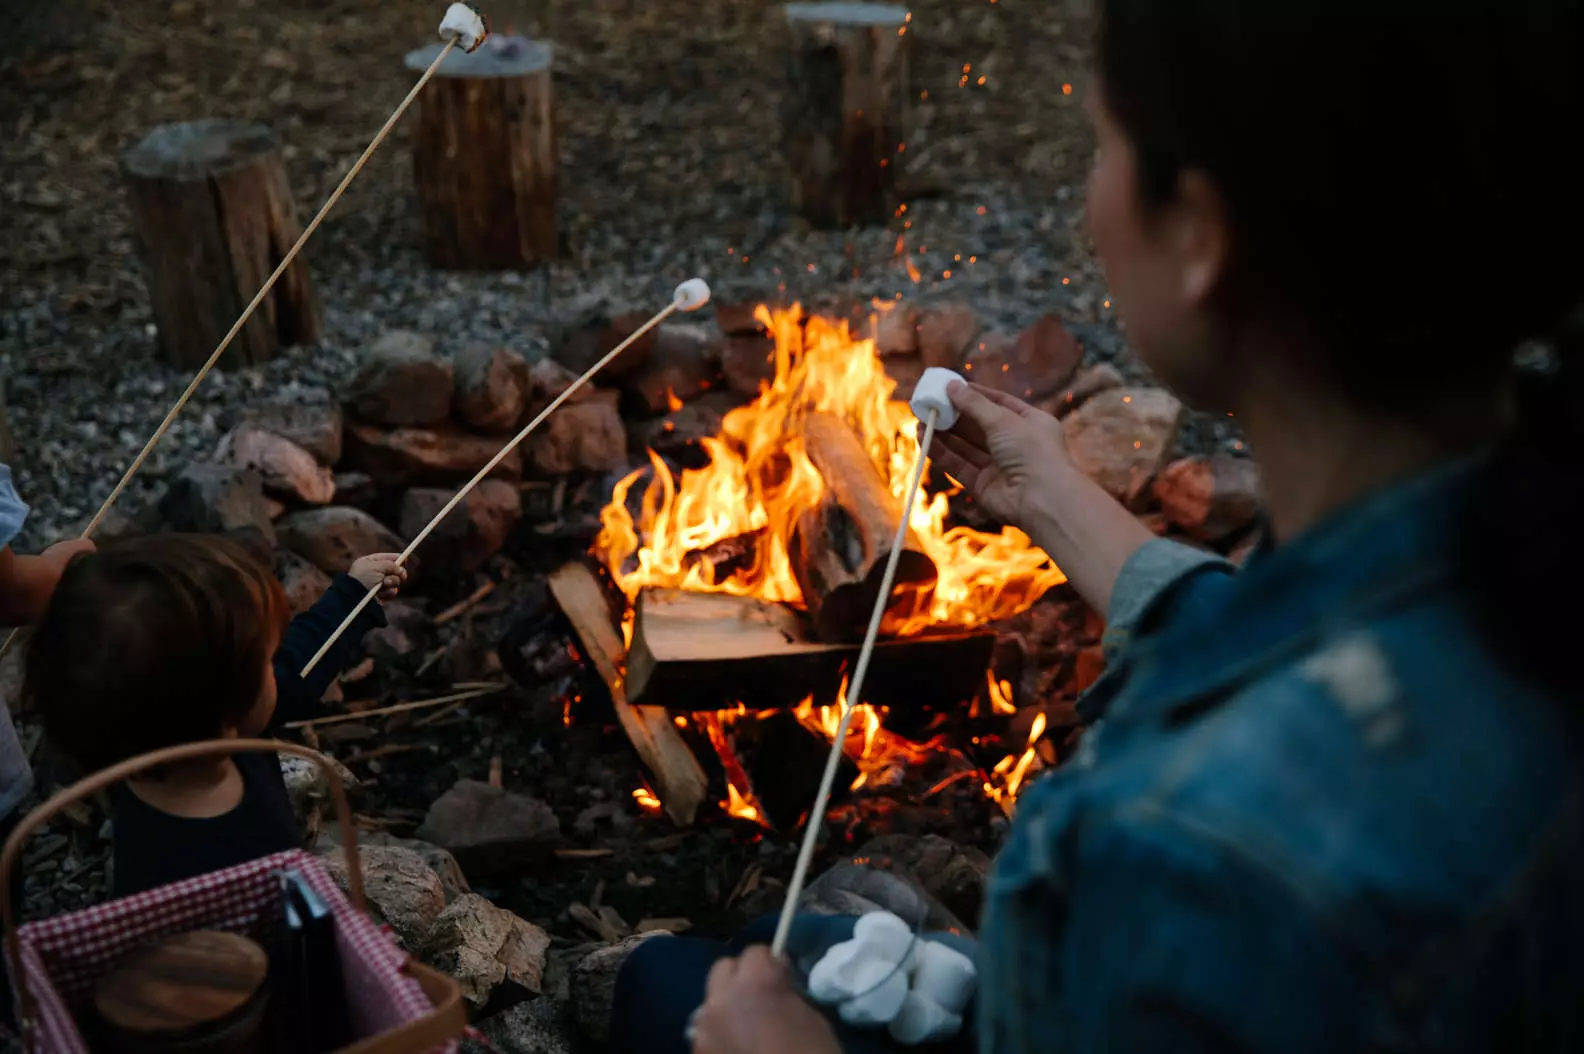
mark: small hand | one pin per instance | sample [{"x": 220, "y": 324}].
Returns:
[
  {"x": 1002, "y": 450},
  {"x": 752, "y": 1007},
  {"x": 379, "y": 569}
]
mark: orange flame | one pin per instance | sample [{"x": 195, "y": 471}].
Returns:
[
  {"x": 1007, "y": 777},
  {"x": 759, "y": 479},
  {"x": 646, "y": 800}
]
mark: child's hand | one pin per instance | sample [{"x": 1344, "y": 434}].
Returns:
[
  {"x": 379, "y": 569},
  {"x": 62, "y": 553}
]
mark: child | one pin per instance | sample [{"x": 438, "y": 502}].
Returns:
[{"x": 172, "y": 638}]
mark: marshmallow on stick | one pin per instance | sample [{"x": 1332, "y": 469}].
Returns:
[
  {"x": 689, "y": 296},
  {"x": 930, "y": 394},
  {"x": 464, "y": 25}
]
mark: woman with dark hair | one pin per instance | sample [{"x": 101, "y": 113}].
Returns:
[{"x": 1331, "y": 802}]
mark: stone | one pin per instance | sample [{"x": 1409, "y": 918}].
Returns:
[
  {"x": 1209, "y": 498},
  {"x": 115, "y": 526},
  {"x": 285, "y": 467},
  {"x": 213, "y": 499},
  {"x": 587, "y": 436},
  {"x": 416, "y": 457},
  {"x": 549, "y": 379},
  {"x": 315, "y": 427},
  {"x": 302, "y": 582},
  {"x": 895, "y": 332},
  {"x": 492, "y": 387},
  {"x": 684, "y": 366},
  {"x": 593, "y": 337},
  {"x": 308, "y": 786},
  {"x": 405, "y": 626},
  {"x": 1121, "y": 437},
  {"x": 356, "y": 489},
  {"x": 403, "y": 892},
  {"x": 538, "y": 1026},
  {"x": 736, "y": 318},
  {"x": 1037, "y": 364},
  {"x": 442, "y": 863},
  {"x": 489, "y": 830},
  {"x": 401, "y": 381},
  {"x": 473, "y": 532},
  {"x": 945, "y": 332},
  {"x": 483, "y": 946},
  {"x": 592, "y": 987},
  {"x": 1089, "y": 382},
  {"x": 865, "y": 885},
  {"x": 332, "y": 537},
  {"x": 906, "y": 374},
  {"x": 747, "y": 363}
]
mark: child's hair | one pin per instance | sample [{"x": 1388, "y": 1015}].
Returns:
[{"x": 151, "y": 642}]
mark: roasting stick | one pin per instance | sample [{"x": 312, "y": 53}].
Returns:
[
  {"x": 689, "y": 296},
  {"x": 455, "y": 29},
  {"x": 854, "y": 693}
]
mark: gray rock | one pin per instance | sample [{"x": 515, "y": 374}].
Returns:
[
  {"x": 316, "y": 428},
  {"x": 1121, "y": 437},
  {"x": 492, "y": 387},
  {"x": 213, "y": 499},
  {"x": 483, "y": 946},
  {"x": 285, "y": 467},
  {"x": 331, "y": 538},
  {"x": 487, "y": 829},
  {"x": 402, "y": 382},
  {"x": 403, "y": 892},
  {"x": 539, "y": 1026},
  {"x": 593, "y": 984}
]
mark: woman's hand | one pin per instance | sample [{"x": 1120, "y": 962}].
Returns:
[
  {"x": 379, "y": 569},
  {"x": 752, "y": 1007},
  {"x": 1002, "y": 451}
]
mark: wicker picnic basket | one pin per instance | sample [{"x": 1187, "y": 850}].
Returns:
[{"x": 398, "y": 1005}]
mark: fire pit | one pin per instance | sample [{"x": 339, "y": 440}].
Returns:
[{"x": 741, "y": 588}]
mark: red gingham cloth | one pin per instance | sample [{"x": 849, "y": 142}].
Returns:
[{"x": 64, "y": 956}]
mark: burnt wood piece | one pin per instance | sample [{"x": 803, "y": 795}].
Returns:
[
  {"x": 710, "y": 651},
  {"x": 484, "y": 156},
  {"x": 784, "y": 762},
  {"x": 843, "y": 110},
  {"x": 679, "y": 779},
  {"x": 838, "y": 548},
  {"x": 214, "y": 217}
]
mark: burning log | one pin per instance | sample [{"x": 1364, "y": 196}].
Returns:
[
  {"x": 839, "y": 547},
  {"x": 484, "y": 157},
  {"x": 783, "y": 761},
  {"x": 677, "y": 774},
  {"x": 710, "y": 651},
  {"x": 843, "y": 110},
  {"x": 214, "y": 215}
]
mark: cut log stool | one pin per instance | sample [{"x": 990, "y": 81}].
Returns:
[
  {"x": 214, "y": 216},
  {"x": 842, "y": 118},
  {"x": 484, "y": 156}
]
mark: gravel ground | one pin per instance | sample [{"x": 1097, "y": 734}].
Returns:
[{"x": 666, "y": 112}]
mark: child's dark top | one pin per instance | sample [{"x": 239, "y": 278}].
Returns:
[{"x": 153, "y": 848}]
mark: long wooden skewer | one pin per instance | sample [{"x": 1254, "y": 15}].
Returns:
[
  {"x": 247, "y": 312},
  {"x": 677, "y": 303},
  {"x": 854, "y": 696}
]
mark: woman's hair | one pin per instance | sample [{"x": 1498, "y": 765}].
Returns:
[
  {"x": 1404, "y": 180},
  {"x": 153, "y": 641}
]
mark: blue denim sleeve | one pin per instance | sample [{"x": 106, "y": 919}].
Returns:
[
  {"x": 13, "y": 510},
  {"x": 1161, "y": 578},
  {"x": 1128, "y": 933}
]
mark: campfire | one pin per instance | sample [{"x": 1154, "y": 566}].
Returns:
[{"x": 747, "y": 583}]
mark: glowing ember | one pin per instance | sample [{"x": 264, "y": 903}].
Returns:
[
  {"x": 759, "y": 479},
  {"x": 646, "y": 800}
]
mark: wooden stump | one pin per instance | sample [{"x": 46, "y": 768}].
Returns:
[
  {"x": 214, "y": 217},
  {"x": 843, "y": 110},
  {"x": 484, "y": 156}
]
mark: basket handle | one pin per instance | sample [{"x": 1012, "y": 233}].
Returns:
[
  {"x": 30, "y": 823},
  {"x": 446, "y": 1022}
]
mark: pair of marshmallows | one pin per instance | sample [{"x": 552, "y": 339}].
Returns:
[
  {"x": 917, "y": 990},
  {"x": 465, "y": 26},
  {"x": 930, "y": 394}
]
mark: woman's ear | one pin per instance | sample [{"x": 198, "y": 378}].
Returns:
[{"x": 1202, "y": 236}]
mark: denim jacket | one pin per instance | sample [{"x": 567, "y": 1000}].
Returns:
[{"x": 1314, "y": 813}]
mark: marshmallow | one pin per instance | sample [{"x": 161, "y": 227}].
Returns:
[
  {"x": 922, "y": 1020},
  {"x": 944, "y": 976},
  {"x": 465, "y": 26},
  {"x": 930, "y": 394},
  {"x": 691, "y": 295},
  {"x": 888, "y": 935},
  {"x": 879, "y": 1003}
]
